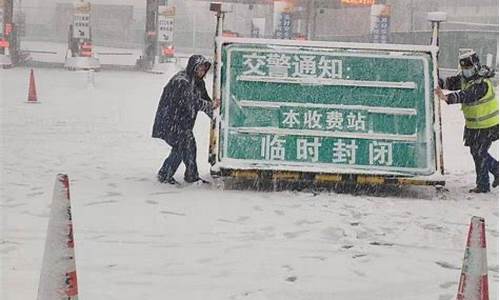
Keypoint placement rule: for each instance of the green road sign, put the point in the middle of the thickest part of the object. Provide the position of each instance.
(327, 109)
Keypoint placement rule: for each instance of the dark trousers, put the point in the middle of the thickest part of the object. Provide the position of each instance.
(184, 150)
(484, 163)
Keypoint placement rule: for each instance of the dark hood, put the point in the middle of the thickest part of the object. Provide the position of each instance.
(193, 62)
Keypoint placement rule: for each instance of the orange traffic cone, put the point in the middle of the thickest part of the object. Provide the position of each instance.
(58, 275)
(474, 278)
(32, 89)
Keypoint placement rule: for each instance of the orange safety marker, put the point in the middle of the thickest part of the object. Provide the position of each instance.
(474, 278)
(32, 98)
(58, 276)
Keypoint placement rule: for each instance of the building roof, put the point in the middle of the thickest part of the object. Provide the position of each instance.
(319, 3)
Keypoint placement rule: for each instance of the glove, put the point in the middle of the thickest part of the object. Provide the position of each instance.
(441, 83)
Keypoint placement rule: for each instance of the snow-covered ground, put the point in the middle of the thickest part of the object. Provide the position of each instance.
(138, 239)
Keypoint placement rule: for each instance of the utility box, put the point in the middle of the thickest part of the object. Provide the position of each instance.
(319, 108)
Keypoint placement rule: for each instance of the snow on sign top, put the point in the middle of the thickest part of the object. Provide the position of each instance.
(326, 44)
(329, 108)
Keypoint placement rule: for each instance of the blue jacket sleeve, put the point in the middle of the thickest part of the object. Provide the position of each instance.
(452, 83)
(470, 95)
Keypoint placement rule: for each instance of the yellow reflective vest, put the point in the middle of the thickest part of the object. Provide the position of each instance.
(482, 113)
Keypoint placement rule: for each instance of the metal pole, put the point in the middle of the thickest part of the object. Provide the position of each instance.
(412, 28)
(8, 17)
(308, 18)
(156, 51)
(194, 31)
(218, 32)
(315, 16)
(435, 34)
(9, 11)
(151, 33)
(435, 42)
(215, 89)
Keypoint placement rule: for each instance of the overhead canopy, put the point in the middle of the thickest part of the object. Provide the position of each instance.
(303, 3)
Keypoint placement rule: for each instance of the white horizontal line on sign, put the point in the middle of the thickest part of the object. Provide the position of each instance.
(316, 133)
(328, 81)
(372, 109)
(299, 166)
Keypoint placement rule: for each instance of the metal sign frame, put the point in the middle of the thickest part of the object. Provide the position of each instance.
(434, 156)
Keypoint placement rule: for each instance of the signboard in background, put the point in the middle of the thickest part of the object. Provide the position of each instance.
(380, 18)
(166, 19)
(357, 2)
(258, 28)
(81, 20)
(284, 30)
(326, 109)
(166, 23)
(282, 19)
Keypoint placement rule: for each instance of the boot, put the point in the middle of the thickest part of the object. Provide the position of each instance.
(165, 179)
(479, 190)
(495, 181)
(197, 179)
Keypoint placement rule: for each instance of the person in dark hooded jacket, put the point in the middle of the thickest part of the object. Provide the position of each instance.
(183, 96)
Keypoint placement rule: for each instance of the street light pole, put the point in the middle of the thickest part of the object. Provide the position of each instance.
(436, 18)
(193, 36)
(220, 9)
(412, 7)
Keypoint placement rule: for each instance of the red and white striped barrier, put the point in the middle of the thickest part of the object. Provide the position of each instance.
(474, 278)
(58, 276)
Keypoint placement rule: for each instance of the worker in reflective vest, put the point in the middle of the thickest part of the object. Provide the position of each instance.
(473, 89)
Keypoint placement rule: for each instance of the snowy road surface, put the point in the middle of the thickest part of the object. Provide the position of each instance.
(138, 239)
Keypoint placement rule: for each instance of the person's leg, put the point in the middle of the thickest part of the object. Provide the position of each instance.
(189, 159)
(480, 155)
(492, 166)
(170, 165)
